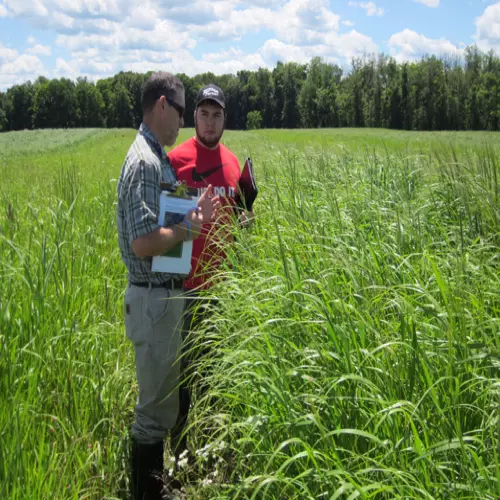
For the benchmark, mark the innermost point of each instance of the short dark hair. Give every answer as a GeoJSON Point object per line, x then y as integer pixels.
{"type": "Point", "coordinates": [158, 84]}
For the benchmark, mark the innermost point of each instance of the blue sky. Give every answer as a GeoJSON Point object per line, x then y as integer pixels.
{"type": "Point", "coordinates": [98, 38]}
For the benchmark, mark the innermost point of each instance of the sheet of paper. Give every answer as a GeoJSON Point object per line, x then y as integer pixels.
{"type": "Point", "coordinates": [178, 259]}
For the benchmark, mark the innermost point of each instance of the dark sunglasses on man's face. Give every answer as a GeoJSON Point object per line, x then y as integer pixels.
{"type": "Point", "coordinates": [176, 106]}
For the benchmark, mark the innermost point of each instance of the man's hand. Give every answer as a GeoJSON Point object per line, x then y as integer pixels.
{"type": "Point", "coordinates": [204, 213]}
{"type": "Point", "coordinates": [246, 218]}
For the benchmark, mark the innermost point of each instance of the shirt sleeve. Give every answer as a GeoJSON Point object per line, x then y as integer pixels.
{"type": "Point", "coordinates": [143, 200]}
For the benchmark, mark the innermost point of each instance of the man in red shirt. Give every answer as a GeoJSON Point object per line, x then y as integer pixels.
{"type": "Point", "coordinates": [200, 161]}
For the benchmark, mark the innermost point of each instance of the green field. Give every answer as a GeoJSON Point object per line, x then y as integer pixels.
{"type": "Point", "coordinates": [357, 354]}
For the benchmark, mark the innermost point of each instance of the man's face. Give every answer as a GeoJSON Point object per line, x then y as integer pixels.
{"type": "Point", "coordinates": [209, 122]}
{"type": "Point", "coordinates": [172, 116]}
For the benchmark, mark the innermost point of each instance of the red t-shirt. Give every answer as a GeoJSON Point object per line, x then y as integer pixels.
{"type": "Point", "coordinates": [199, 166]}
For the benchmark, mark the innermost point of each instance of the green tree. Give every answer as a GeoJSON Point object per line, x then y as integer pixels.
{"type": "Point", "coordinates": [264, 93]}
{"type": "Point", "coordinates": [277, 96]}
{"type": "Point", "coordinates": [293, 78]}
{"type": "Point", "coordinates": [3, 112]}
{"type": "Point", "coordinates": [19, 106]}
{"type": "Point", "coordinates": [120, 111]}
{"type": "Point", "coordinates": [90, 108]}
{"type": "Point", "coordinates": [191, 92]}
{"type": "Point", "coordinates": [254, 120]}
{"type": "Point", "coordinates": [54, 104]}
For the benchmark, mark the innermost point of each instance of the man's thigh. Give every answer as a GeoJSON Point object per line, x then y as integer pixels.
{"type": "Point", "coordinates": [153, 325]}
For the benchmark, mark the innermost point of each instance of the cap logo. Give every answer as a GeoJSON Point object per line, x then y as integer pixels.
{"type": "Point", "coordinates": [210, 92]}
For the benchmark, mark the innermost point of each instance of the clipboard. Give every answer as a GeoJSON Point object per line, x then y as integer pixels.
{"type": "Point", "coordinates": [173, 208]}
{"type": "Point", "coordinates": [247, 187]}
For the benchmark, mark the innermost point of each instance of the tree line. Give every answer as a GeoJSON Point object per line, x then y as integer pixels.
{"type": "Point", "coordinates": [435, 93]}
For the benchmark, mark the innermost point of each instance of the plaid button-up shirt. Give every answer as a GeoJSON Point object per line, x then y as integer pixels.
{"type": "Point", "coordinates": [146, 164]}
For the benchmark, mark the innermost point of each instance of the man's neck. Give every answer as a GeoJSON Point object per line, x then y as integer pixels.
{"type": "Point", "coordinates": [151, 125]}
{"type": "Point", "coordinates": [205, 146]}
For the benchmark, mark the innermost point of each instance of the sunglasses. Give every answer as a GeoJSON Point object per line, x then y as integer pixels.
{"type": "Point", "coordinates": [177, 107]}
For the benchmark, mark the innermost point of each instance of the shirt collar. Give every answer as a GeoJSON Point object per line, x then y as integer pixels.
{"type": "Point", "coordinates": [151, 138]}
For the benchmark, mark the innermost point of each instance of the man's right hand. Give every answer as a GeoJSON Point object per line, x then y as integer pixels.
{"type": "Point", "coordinates": [204, 212]}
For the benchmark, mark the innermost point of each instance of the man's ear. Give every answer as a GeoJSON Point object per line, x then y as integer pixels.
{"type": "Point", "coordinates": [161, 102]}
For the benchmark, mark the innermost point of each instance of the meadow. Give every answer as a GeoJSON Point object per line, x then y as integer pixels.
{"type": "Point", "coordinates": [357, 352]}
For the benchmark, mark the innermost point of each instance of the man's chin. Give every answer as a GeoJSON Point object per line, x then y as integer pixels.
{"type": "Point", "coordinates": [172, 141]}
{"type": "Point", "coordinates": [209, 142]}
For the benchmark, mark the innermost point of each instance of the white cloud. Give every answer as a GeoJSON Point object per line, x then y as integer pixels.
{"type": "Point", "coordinates": [370, 7]}
{"type": "Point", "coordinates": [335, 48]}
{"type": "Point", "coordinates": [22, 68]}
{"type": "Point", "coordinates": [24, 64]}
{"type": "Point", "coordinates": [104, 9]}
{"type": "Point", "coordinates": [28, 8]}
{"type": "Point", "coordinates": [348, 23]}
{"type": "Point", "coordinates": [305, 21]}
{"type": "Point", "coordinates": [274, 50]}
{"type": "Point", "coordinates": [3, 11]}
{"type": "Point", "coordinates": [7, 54]}
{"type": "Point", "coordinates": [236, 24]}
{"type": "Point", "coordinates": [164, 36]}
{"type": "Point", "coordinates": [293, 21]}
{"type": "Point", "coordinates": [103, 37]}
{"type": "Point", "coordinates": [229, 61]}
{"type": "Point", "coordinates": [409, 45]}
{"type": "Point", "coordinates": [296, 21]}
{"type": "Point", "coordinates": [429, 3]}
{"type": "Point", "coordinates": [40, 50]}
{"type": "Point", "coordinates": [488, 28]}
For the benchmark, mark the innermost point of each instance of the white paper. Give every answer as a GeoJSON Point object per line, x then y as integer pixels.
{"type": "Point", "coordinates": [179, 259]}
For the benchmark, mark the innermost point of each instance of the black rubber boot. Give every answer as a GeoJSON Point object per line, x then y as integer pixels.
{"type": "Point", "coordinates": [147, 471]}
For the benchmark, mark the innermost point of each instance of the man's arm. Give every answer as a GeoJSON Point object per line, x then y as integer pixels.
{"type": "Point", "coordinates": [160, 240]}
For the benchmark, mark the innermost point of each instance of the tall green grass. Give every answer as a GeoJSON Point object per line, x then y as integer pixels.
{"type": "Point", "coordinates": [355, 355]}
{"type": "Point", "coordinates": [65, 373]}
{"type": "Point", "coordinates": [357, 352]}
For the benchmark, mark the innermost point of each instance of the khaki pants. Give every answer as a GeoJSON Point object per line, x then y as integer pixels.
{"type": "Point", "coordinates": [153, 325]}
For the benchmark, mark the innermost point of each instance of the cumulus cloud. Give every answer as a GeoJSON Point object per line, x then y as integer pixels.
{"type": "Point", "coordinates": [488, 28]}
{"type": "Point", "coordinates": [3, 11]}
{"type": "Point", "coordinates": [235, 25]}
{"type": "Point", "coordinates": [370, 8]}
{"type": "Point", "coordinates": [408, 45]}
{"type": "Point", "coordinates": [40, 50]}
{"type": "Point", "coordinates": [27, 8]}
{"type": "Point", "coordinates": [24, 64]}
{"type": "Point", "coordinates": [297, 20]}
{"type": "Point", "coordinates": [164, 36]}
{"type": "Point", "coordinates": [335, 48]}
{"type": "Point", "coordinates": [19, 69]}
{"type": "Point", "coordinates": [103, 37]}
{"type": "Point", "coordinates": [104, 9]}
{"type": "Point", "coordinates": [429, 3]}
{"type": "Point", "coordinates": [7, 54]}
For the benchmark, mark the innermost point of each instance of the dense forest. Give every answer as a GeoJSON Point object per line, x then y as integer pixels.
{"type": "Point", "coordinates": [457, 93]}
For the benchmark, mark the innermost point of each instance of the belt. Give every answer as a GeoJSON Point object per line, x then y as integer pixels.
{"type": "Point", "coordinates": [171, 284]}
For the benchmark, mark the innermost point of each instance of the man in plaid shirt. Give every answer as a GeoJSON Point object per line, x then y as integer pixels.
{"type": "Point", "coordinates": [153, 301]}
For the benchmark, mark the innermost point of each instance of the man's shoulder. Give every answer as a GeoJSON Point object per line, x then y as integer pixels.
{"type": "Point", "coordinates": [181, 152]}
{"type": "Point", "coordinates": [229, 156]}
{"type": "Point", "coordinates": [140, 152]}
